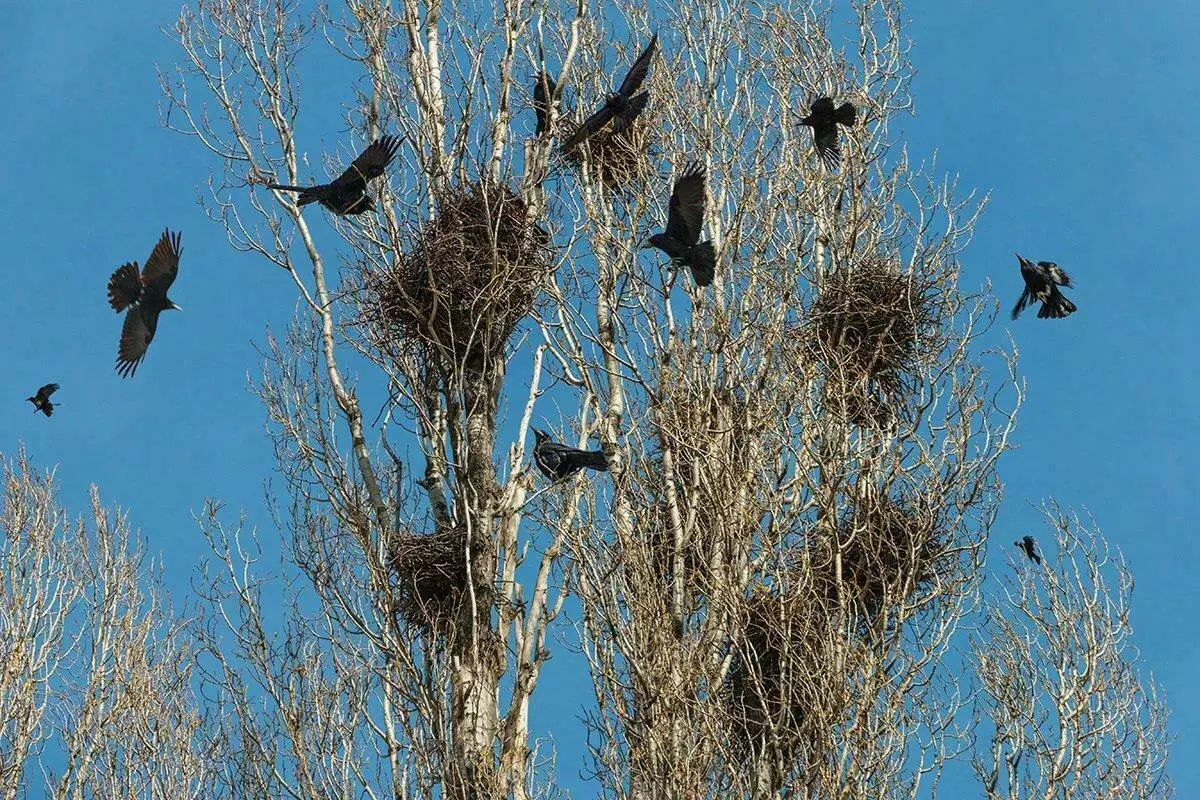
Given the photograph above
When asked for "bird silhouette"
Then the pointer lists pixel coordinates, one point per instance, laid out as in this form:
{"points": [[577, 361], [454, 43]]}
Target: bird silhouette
{"points": [[145, 295], [347, 194], [545, 97], [41, 400], [621, 107], [685, 217], [823, 118], [1041, 283], [1028, 546], [557, 461]]}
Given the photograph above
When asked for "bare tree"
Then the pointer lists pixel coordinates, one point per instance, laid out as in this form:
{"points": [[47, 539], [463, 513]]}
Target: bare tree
{"points": [[1063, 710], [95, 693]]}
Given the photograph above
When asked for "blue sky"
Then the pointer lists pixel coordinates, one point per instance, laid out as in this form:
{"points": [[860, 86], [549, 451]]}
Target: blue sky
{"points": [[1081, 123]]}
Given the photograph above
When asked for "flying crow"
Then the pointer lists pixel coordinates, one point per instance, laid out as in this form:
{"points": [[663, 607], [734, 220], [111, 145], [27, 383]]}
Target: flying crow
{"points": [[41, 400], [1029, 548], [623, 106], [145, 295], [823, 118], [684, 220], [1041, 283], [347, 194], [557, 461]]}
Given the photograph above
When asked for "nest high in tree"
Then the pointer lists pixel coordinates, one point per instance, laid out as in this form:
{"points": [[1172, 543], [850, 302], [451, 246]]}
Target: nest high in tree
{"points": [[430, 574], [621, 161], [868, 322], [469, 280]]}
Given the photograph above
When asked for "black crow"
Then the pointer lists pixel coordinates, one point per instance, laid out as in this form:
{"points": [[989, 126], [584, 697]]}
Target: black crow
{"points": [[545, 97], [1041, 283], [557, 461], [684, 220], [623, 106], [823, 118], [145, 296], [1029, 548], [347, 194], [41, 400]]}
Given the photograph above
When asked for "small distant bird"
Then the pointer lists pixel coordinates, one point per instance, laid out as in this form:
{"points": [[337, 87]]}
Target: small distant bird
{"points": [[557, 461], [1041, 283], [347, 194], [1029, 547], [41, 400], [684, 220], [545, 97], [823, 118], [623, 106], [145, 295]]}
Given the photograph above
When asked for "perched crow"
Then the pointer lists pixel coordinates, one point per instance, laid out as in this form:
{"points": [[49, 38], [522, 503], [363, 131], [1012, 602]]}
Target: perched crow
{"points": [[684, 220], [557, 461], [823, 118], [348, 192], [623, 106], [1029, 548], [545, 97], [1041, 283], [41, 400], [146, 296]]}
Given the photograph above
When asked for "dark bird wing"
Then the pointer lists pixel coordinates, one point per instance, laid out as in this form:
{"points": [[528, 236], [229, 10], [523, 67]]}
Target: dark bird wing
{"points": [[1022, 302], [637, 73], [826, 140], [124, 287], [370, 164], [821, 110], [43, 394], [543, 99], [163, 264], [846, 114], [592, 124], [686, 215], [637, 104], [1055, 273], [136, 334]]}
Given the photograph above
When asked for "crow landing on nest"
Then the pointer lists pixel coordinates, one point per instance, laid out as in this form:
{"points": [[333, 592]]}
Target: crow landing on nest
{"points": [[1029, 547], [823, 118], [623, 106], [557, 461], [684, 220], [41, 400], [347, 194], [1041, 283], [145, 295]]}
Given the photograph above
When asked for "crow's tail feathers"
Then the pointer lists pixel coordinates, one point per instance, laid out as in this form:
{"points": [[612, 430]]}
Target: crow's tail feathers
{"points": [[703, 262], [846, 114], [308, 194], [594, 459], [124, 287], [1022, 301], [1056, 306]]}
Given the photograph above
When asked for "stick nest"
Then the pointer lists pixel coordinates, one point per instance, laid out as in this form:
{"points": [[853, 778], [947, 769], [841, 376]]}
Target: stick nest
{"points": [[868, 321], [430, 575], [470, 278], [621, 161]]}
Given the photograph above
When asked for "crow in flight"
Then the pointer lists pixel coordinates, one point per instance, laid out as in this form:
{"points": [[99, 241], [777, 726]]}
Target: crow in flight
{"points": [[623, 106], [41, 400], [557, 461], [823, 118], [684, 219], [145, 296], [1041, 283], [347, 194], [1029, 548], [545, 97]]}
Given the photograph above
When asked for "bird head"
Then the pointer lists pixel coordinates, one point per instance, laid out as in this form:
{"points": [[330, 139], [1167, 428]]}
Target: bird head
{"points": [[540, 436]]}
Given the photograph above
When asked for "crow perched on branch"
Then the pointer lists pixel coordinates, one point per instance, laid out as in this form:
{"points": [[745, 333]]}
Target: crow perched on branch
{"points": [[145, 295], [545, 97], [1029, 547], [684, 220], [1041, 283], [823, 118], [557, 461], [41, 400], [347, 194], [623, 106]]}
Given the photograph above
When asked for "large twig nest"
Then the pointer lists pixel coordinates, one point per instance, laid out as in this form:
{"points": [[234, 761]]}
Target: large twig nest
{"points": [[868, 322], [621, 161], [430, 575], [470, 278]]}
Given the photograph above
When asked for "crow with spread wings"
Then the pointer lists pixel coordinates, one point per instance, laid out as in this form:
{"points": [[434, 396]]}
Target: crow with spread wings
{"points": [[685, 217], [145, 295], [347, 194], [623, 106]]}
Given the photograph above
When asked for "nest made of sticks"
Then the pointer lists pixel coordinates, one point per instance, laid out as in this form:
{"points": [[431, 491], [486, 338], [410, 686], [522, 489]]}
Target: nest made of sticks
{"points": [[621, 161], [430, 574], [469, 279], [883, 554], [868, 321]]}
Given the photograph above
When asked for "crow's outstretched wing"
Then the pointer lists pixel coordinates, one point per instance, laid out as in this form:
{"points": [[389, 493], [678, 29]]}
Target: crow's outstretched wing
{"points": [[686, 215], [1055, 273], [136, 334], [1022, 301], [592, 124], [846, 114], [637, 73], [163, 264], [370, 164], [826, 140], [44, 393]]}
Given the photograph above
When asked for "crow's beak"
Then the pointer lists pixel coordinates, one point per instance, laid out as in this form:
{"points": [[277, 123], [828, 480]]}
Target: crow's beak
{"points": [[177, 308]]}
